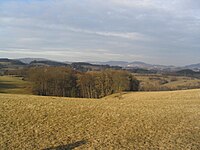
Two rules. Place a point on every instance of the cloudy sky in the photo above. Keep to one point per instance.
(153, 31)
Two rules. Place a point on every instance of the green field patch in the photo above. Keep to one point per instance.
(14, 85)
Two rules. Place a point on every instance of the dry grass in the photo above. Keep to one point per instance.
(155, 120)
(158, 82)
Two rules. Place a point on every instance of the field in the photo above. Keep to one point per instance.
(141, 120)
(14, 85)
(156, 82)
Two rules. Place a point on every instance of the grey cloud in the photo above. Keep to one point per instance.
(155, 31)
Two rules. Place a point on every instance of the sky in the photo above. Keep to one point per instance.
(152, 31)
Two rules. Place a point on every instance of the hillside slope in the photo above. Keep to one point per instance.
(154, 120)
(14, 85)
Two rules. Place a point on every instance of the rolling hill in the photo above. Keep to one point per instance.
(29, 60)
(124, 64)
(47, 63)
(194, 67)
(134, 64)
(10, 62)
(154, 120)
(14, 85)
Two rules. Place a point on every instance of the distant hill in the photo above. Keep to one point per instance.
(47, 63)
(6, 61)
(135, 64)
(10, 64)
(194, 67)
(187, 72)
(142, 71)
(29, 60)
(98, 65)
(85, 66)
(142, 65)
(138, 64)
(114, 63)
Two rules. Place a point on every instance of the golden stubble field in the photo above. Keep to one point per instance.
(154, 120)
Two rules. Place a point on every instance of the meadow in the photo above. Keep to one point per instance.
(159, 82)
(14, 85)
(139, 120)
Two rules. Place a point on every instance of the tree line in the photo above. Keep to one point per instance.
(102, 83)
(66, 82)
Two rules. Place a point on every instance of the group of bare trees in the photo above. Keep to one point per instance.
(62, 81)
(55, 81)
(103, 83)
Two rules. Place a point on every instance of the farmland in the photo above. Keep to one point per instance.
(140, 120)
(159, 82)
(14, 85)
